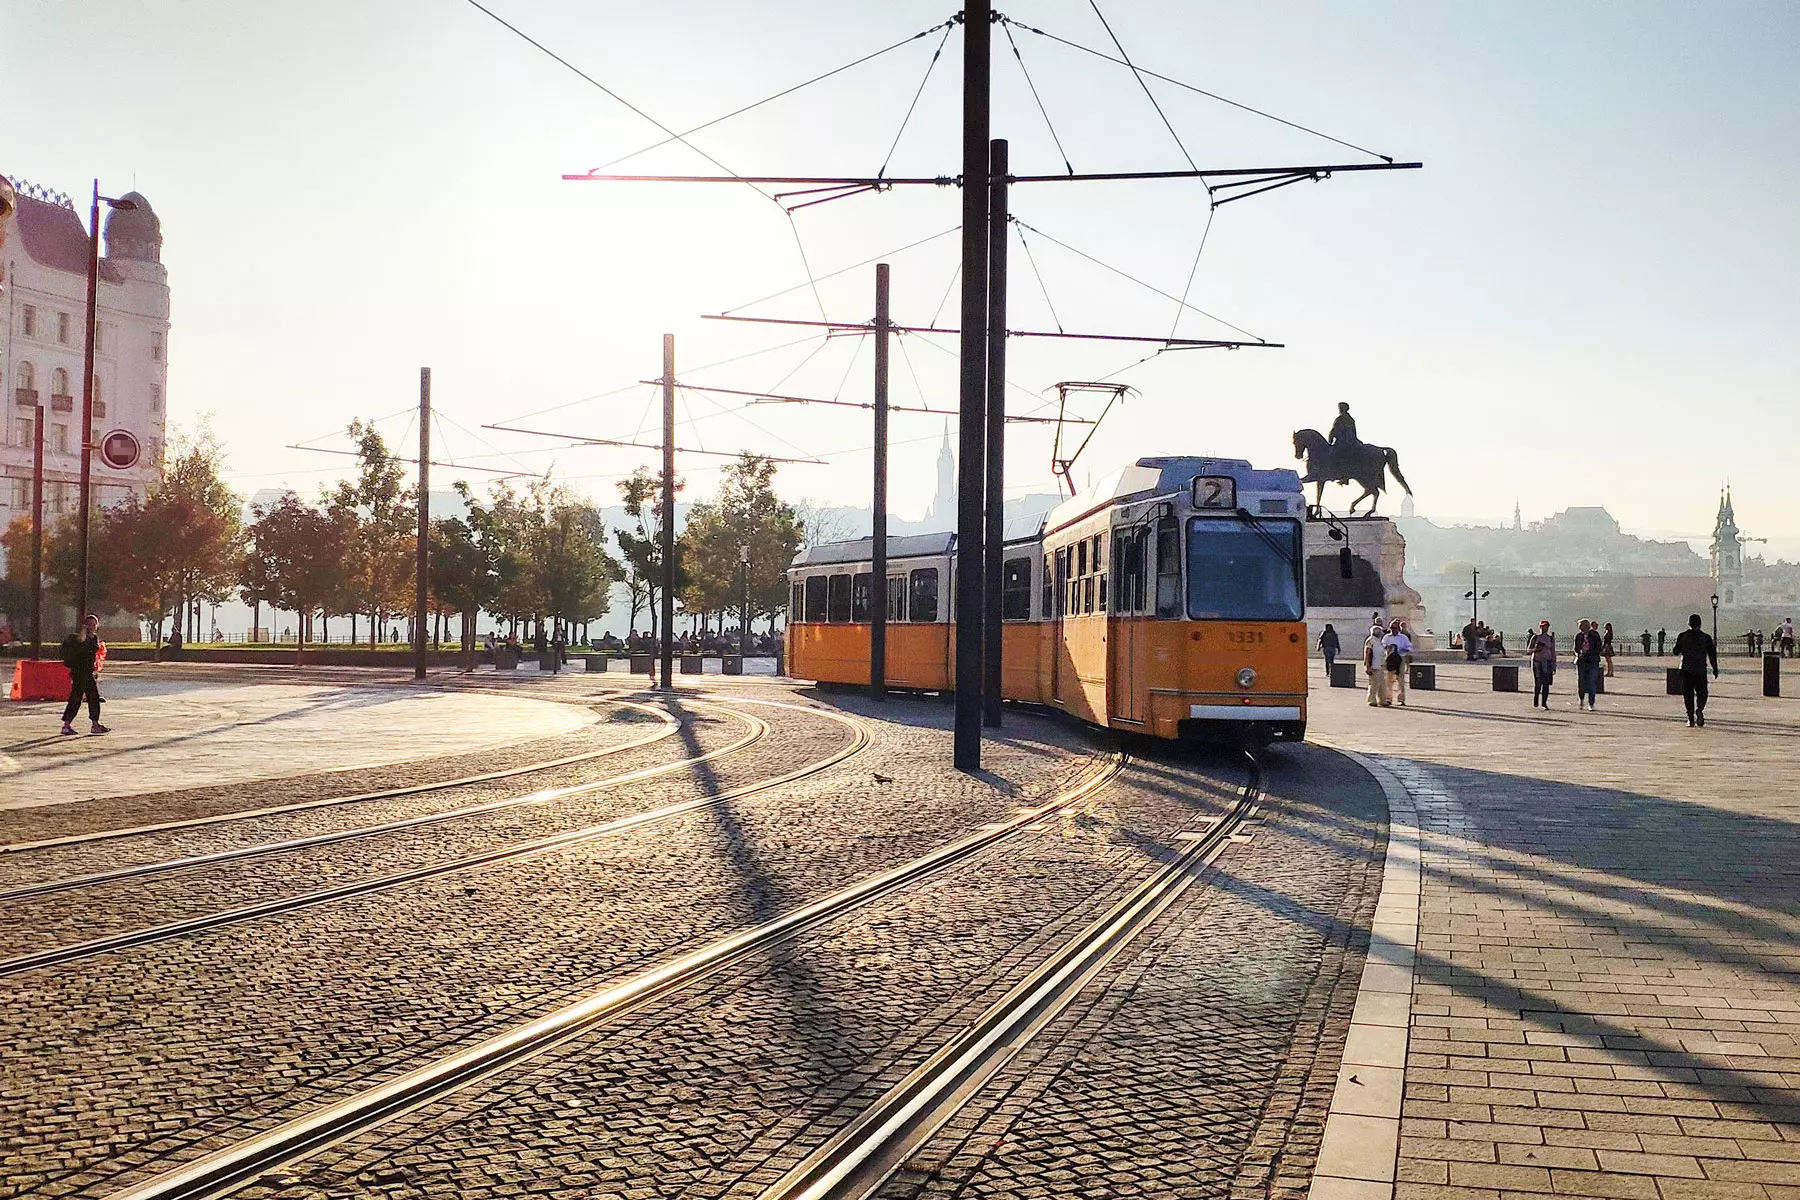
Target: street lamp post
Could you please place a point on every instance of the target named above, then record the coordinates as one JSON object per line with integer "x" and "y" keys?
{"x": 744, "y": 626}
{"x": 1715, "y": 604}
{"x": 84, "y": 515}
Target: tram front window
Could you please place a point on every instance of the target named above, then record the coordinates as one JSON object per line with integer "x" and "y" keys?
{"x": 1248, "y": 571}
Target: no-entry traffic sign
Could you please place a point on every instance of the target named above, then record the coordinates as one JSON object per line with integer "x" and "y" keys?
{"x": 119, "y": 449}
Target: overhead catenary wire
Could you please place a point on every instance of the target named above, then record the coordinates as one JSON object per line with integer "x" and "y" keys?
{"x": 885, "y": 254}
{"x": 1199, "y": 90}
{"x": 1187, "y": 288}
{"x": 1031, "y": 258}
{"x": 1032, "y": 84}
{"x": 911, "y": 108}
{"x": 1139, "y": 76}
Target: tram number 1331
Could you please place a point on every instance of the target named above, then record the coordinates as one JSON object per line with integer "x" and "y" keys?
{"x": 1215, "y": 491}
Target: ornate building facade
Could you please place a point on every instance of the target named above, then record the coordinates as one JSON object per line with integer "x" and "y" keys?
{"x": 42, "y": 349}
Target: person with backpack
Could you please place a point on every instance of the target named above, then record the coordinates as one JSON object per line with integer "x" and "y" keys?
{"x": 1542, "y": 648}
{"x": 1372, "y": 666}
{"x": 82, "y": 653}
{"x": 1587, "y": 666}
{"x": 1396, "y": 649}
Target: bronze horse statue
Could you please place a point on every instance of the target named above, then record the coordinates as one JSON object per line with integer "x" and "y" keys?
{"x": 1361, "y": 463}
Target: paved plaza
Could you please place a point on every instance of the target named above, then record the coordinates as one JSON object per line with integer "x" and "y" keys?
{"x": 1461, "y": 950}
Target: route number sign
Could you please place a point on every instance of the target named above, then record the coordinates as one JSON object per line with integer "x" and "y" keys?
{"x": 1215, "y": 491}
{"x": 119, "y": 449}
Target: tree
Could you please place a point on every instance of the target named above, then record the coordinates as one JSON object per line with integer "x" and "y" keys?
{"x": 379, "y": 511}
{"x": 642, "y": 546}
{"x": 746, "y": 516}
{"x": 300, "y": 550}
{"x": 571, "y": 569}
{"x": 471, "y": 564}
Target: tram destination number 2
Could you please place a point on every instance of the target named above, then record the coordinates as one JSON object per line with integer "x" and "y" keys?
{"x": 1215, "y": 491}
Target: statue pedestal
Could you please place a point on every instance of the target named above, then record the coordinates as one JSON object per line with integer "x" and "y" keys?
{"x": 1377, "y": 584}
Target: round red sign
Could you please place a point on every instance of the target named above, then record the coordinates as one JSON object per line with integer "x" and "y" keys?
{"x": 119, "y": 449}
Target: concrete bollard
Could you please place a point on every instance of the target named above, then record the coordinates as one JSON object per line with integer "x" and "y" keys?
{"x": 1772, "y": 675}
{"x": 1506, "y": 677}
{"x": 1423, "y": 677}
{"x": 732, "y": 664}
{"x": 641, "y": 664}
{"x": 1343, "y": 675}
{"x": 692, "y": 664}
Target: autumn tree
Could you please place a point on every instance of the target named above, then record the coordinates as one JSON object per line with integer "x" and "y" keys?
{"x": 300, "y": 550}
{"x": 378, "y": 510}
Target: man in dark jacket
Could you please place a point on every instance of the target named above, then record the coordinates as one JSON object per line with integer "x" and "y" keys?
{"x": 1587, "y": 666}
{"x": 81, "y": 654}
{"x": 1329, "y": 645}
{"x": 1694, "y": 646}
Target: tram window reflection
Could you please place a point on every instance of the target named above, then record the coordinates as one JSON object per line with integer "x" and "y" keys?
{"x": 840, "y": 598}
{"x": 860, "y": 589}
{"x": 815, "y": 598}
{"x": 1168, "y": 568}
{"x": 1015, "y": 589}
{"x": 1244, "y": 572}
{"x": 922, "y": 595}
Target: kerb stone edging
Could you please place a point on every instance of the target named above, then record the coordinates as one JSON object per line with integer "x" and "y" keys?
{"x": 1362, "y": 1131}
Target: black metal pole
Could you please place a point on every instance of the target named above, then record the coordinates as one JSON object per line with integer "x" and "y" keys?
{"x": 86, "y": 448}
{"x": 668, "y": 512}
{"x": 878, "y": 597}
{"x": 37, "y": 535}
{"x": 1475, "y": 595}
{"x": 992, "y": 640}
{"x": 744, "y": 624}
{"x": 972, "y": 467}
{"x": 420, "y": 590}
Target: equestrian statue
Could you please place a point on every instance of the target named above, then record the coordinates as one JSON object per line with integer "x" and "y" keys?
{"x": 1345, "y": 458}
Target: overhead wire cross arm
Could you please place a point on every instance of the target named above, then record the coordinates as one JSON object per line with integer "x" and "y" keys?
{"x": 773, "y": 398}
{"x": 1171, "y": 343}
{"x": 580, "y": 439}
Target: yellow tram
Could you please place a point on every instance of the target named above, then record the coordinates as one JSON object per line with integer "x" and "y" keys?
{"x": 1168, "y": 600}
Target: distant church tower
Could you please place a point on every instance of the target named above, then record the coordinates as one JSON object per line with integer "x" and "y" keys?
{"x": 1406, "y": 506}
{"x": 1518, "y": 524}
{"x": 942, "y": 514}
{"x": 1727, "y": 556}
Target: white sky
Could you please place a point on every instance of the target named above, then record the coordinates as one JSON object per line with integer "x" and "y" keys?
{"x": 1586, "y": 297}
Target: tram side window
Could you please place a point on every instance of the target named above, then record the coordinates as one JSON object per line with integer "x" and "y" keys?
{"x": 1015, "y": 589}
{"x": 797, "y": 608}
{"x": 922, "y": 595}
{"x": 1087, "y": 594}
{"x": 1123, "y": 568}
{"x": 1047, "y": 599}
{"x": 840, "y": 598}
{"x": 815, "y": 598}
{"x": 860, "y": 589}
{"x": 896, "y": 597}
{"x": 1168, "y": 568}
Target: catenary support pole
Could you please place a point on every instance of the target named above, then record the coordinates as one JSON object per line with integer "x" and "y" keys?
{"x": 668, "y": 512}
{"x": 421, "y": 590}
{"x": 37, "y": 534}
{"x": 878, "y": 597}
{"x": 972, "y": 425}
{"x": 992, "y": 617}
{"x": 85, "y": 447}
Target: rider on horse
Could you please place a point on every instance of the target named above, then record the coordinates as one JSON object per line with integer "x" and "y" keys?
{"x": 1345, "y": 445}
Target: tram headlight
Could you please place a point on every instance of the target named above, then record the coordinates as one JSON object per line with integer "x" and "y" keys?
{"x": 1247, "y": 677}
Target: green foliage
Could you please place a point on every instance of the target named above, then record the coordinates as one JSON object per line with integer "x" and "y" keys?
{"x": 746, "y": 519}
{"x": 642, "y": 545}
{"x": 299, "y": 551}
{"x": 378, "y": 511}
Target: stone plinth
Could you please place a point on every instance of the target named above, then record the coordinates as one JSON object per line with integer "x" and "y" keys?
{"x": 1377, "y": 583}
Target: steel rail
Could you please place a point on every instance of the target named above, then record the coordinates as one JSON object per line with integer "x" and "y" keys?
{"x": 555, "y": 841}
{"x": 867, "y": 1152}
{"x": 227, "y": 1169}
{"x": 670, "y": 727}
{"x": 758, "y": 728}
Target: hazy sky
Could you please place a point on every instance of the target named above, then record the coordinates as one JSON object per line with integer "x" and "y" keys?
{"x": 1586, "y": 297}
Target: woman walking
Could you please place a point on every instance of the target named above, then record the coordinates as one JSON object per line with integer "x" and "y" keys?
{"x": 1542, "y": 648}
{"x": 1606, "y": 649}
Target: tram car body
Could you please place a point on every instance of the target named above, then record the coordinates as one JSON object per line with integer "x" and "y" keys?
{"x": 1167, "y": 600}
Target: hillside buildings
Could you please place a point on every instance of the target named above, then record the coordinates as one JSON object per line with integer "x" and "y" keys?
{"x": 41, "y": 351}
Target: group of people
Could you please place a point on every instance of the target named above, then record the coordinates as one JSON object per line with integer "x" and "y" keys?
{"x": 1780, "y": 642}
{"x": 1386, "y": 654}
{"x": 1593, "y": 660}
{"x": 1482, "y": 641}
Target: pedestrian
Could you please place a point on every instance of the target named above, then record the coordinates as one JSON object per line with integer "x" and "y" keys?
{"x": 1749, "y": 641}
{"x": 1472, "y": 640}
{"x": 1695, "y": 648}
{"x": 1587, "y": 666}
{"x": 1542, "y": 648}
{"x": 1606, "y": 648}
{"x": 1787, "y": 638}
{"x": 1660, "y": 635}
{"x": 1329, "y": 647}
{"x": 1396, "y": 648}
{"x": 1372, "y": 665}
{"x": 82, "y": 653}
{"x": 1646, "y": 640}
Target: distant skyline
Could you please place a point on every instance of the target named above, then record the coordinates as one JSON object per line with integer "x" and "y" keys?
{"x": 1585, "y": 297}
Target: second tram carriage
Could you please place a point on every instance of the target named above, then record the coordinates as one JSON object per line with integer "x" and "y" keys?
{"x": 1168, "y": 600}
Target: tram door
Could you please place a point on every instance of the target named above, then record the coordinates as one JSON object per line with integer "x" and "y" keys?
{"x": 1123, "y": 631}
{"x": 1059, "y": 645}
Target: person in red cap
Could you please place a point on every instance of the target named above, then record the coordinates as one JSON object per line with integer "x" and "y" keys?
{"x": 1542, "y": 648}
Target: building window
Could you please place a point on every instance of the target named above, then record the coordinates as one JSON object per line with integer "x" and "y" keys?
{"x": 22, "y": 432}
{"x": 21, "y": 493}
{"x": 27, "y": 377}
{"x": 156, "y": 403}
{"x": 1015, "y": 589}
{"x": 99, "y": 337}
{"x": 28, "y": 321}
{"x": 922, "y": 595}
{"x": 59, "y": 382}
{"x": 64, "y": 324}
{"x": 59, "y": 438}
{"x": 156, "y": 347}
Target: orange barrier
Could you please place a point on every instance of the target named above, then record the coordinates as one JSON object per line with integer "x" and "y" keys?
{"x": 40, "y": 679}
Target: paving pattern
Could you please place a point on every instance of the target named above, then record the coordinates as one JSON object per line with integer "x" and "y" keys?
{"x": 1607, "y": 991}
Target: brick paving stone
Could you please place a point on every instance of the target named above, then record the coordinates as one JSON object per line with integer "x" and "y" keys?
{"x": 1609, "y": 932}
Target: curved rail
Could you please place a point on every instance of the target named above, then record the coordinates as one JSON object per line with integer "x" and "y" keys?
{"x": 269, "y": 908}
{"x": 670, "y": 726}
{"x": 861, "y": 1158}
{"x": 232, "y": 1167}
{"x": 543, "y": 796}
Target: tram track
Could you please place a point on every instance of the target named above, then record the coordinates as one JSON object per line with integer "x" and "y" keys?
{"x": 860, "y": 739}
{"x": 758, "y": 729}
{"x": 669, "y": 726}
{"x": 241, "y": 1163}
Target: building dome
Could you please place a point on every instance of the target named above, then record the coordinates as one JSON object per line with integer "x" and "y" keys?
{"x": 134, "y": 233}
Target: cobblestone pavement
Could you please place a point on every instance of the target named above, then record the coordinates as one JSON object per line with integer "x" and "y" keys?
{"x": 1607, "y": 988}
{"x": 721, "y": 1088}
{"x": 159, "y": 1053}
{"x": 170, "y": 734}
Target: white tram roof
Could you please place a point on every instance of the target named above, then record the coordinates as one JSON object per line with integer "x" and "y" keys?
{"x": 910, "y": 545}
{"x": 1164, "y": 474}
